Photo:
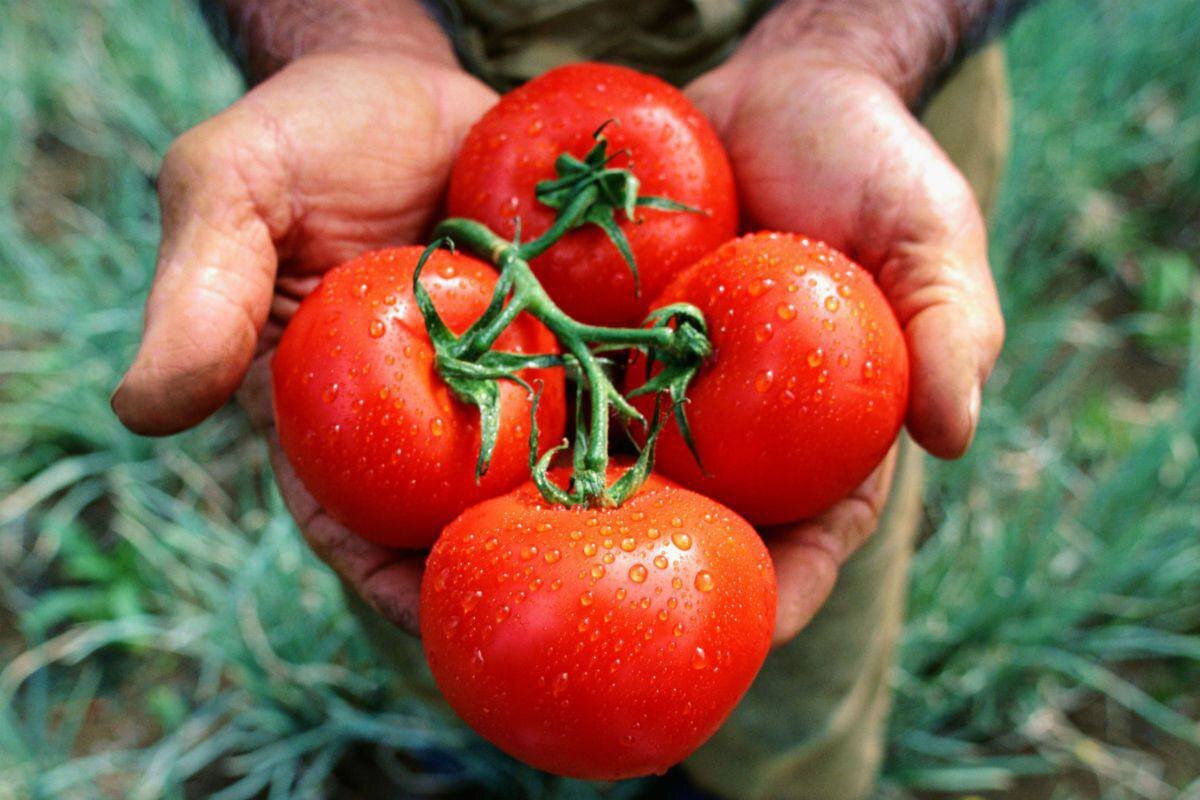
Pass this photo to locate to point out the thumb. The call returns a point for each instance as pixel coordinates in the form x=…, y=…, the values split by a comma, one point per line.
x=213, y=282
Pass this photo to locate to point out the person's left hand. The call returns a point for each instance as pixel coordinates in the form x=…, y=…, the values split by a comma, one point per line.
x=827, y=148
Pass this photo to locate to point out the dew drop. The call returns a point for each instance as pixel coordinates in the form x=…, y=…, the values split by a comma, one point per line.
x=816, y=357
x=868, y=370
x=437, y=427
x=756, y=288
x=559, y=685
x=681, y=540
x=704, y=581
x=637, y=573
x=470, y=600
x=764, y=332
x=786, y=311
x=586, y=599
x=552, y=555
x=528, y=552
x=376, y=328
x=699, y=659
x=597, y=571
x=621, y=593
x=330, y=394
x=762, y=381
x=844, y=290
x=832, y=303
x=660, y=561
x=589, y=549
x=628, y=543
x=844, y=360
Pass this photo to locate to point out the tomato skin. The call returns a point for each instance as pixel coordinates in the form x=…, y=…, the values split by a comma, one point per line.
x=808, y=385
x=672, y=149
x=564, y=637
x=371, y=430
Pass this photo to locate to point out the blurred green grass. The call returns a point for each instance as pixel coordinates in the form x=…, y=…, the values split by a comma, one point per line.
x=163, y=633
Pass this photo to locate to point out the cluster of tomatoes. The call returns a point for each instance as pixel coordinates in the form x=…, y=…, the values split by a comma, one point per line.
x=593, y=640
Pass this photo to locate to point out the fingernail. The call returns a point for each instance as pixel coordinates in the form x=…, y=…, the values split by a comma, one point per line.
x=973, y=408
x=112, y=398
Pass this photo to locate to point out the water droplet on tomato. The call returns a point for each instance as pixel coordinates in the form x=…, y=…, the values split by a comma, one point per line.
x=528, y=552
x=586, y=599
x=330, y=394
x=832, y=303
x=376, y=328
x=756, y=288
x=816, y=357
x=552, y=555
x=699, y=659
x=360, y=290
x=868, y=370
x=589, y=549
x=637, y=573
x=763, y=381
x=621, y=593
x=437, y=427
x=764, y=332
x=470, y=600
x=786, y=311
x=844, y=290
x=704, y=581
x=597, y=571
x=660, y=561
x=628, y=543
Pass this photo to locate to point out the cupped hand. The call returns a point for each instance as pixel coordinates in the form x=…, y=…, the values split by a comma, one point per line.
x=336, y=154
x=832, y=151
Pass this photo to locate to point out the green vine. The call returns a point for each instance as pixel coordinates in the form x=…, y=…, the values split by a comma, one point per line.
x=675, y=337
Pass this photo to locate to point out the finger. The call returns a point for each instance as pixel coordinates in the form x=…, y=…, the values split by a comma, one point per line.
x=388, y=580
x=212, y=287
x=936, y=276
x=807, y=556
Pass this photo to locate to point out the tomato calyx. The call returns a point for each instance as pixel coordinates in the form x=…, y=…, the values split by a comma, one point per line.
x=590, y=192
x=675, y=337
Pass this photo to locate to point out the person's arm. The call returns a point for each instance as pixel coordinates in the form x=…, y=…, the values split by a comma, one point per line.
x=912, y=44
x=263, y=36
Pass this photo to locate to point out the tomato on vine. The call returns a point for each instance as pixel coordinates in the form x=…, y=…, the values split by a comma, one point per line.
x=527, y=157
x=598, y=643
x=807, y=387
x=375, y=434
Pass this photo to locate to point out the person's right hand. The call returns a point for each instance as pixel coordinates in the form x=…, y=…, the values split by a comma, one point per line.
x=336, y=154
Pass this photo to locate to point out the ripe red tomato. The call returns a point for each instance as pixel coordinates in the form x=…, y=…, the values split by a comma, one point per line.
x=598, y=644
x=370, y=428
x=808, y=384
x=670, y=147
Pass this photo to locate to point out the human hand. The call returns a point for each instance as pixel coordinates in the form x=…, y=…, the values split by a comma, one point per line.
x=823, y=144
x=338, y=153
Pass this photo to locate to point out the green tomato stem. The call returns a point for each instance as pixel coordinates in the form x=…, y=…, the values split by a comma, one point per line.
x=519, y=291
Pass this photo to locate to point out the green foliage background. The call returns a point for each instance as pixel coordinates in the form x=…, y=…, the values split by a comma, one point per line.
x=163, y=632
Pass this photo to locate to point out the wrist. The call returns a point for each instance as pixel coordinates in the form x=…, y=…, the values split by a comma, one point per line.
x=264, y=36
x=908, y=45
